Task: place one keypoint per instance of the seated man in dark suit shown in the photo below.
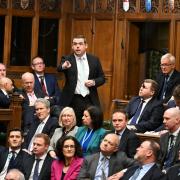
(168, 78)
(46, 82)
(173, 172)
(43, 124)
(145, 111)
(38, 166)
(6, 87)
(12, 156)
(107, 162)
(129, 141)
(170, 141)
(147, 155)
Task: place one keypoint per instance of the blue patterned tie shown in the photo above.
(136, 173)
(164, 87)
(36, 170)
(137, 113)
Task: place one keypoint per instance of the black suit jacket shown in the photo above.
(171, 84)
(164, 147)
(4, 100)
(95, 72)
(49, 128)
(129, 142)
(52, 87)
(117, 162)
(154, 173)
(174, 172)
(151, 117)
(45, 173)
(18, 160)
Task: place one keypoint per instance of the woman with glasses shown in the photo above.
(69, 162)
(91, 134)
(67, 122)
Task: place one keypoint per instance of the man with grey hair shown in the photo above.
(44, 123)
(168, 78)
(14, 174)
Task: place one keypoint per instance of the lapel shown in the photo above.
(3, 159)
(165, 145)
(93, 167)
(149, 173)
(135, 105)
(48, 83)
(91, 66)
(176, 147)
(124, 138)
(29, 165)
(74, 66)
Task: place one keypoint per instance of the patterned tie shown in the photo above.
(11, 162)
(136, 173)
(36, 170)
(164, 87)
(43, 85)
(104, 162)
(137, 113)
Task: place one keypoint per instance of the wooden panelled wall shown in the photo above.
(107, 28)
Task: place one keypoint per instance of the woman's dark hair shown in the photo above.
(96, 115)
(60, 144)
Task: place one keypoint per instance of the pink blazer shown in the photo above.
(72, 173)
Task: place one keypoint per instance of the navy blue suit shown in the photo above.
(4, 100)
(52, 86)
(174, 172)
(171, 84)
(154, 173)
(49, 128)
(151, 117)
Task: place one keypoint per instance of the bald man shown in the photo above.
(107, 162)
(6, 87)
(170, 141)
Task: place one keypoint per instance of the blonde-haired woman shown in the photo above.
(67, 122)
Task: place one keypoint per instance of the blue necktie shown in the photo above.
(36, 170)
(136, 115)
(164, 87)
(136, 173)
(11, 162)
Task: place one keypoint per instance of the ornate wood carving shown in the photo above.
(23, 4)
(50, 5)
(3, 4)
(105, 6)
(85, 6)
(154, 9)
(132, 6)
(166, 7)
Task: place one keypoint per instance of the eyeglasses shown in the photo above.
(38, 63)
(165, 65)
(69, 146)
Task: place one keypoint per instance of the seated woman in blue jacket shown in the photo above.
(91, 134)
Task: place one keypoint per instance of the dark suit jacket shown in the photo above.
(18, 160)
(174, 172)
(164, 147)
(4, 100)
(49, 128)
(151, 117)
(154, 173)
(52, 86)
(172, 83)
(95, 72)
(45, 173)
(129, 142)
(117, 162)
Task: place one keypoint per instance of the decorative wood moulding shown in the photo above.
(50, 5)
(23, 4)
(135, 6)
(3, 4)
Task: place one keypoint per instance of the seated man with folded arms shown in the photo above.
(145, 111)
(129, 141)
(106, 162)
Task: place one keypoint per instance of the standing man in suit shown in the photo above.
(6, 87)
(129, 141)
(38, 166)
(145, 111)
(46, 82)
(12, 156)
(168, 78)
(147, 155)
(107, 162)
(170, 141)
(43, 124)
(83, 73)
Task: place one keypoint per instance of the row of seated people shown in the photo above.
(91, 139)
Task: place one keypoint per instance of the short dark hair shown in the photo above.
(60, 144)
(176, 92)
(121, 111)
(44, 136)
(15, 129)
(96, 115)
(80, 36)
(37, 57)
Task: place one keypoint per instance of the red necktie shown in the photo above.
(43, 85)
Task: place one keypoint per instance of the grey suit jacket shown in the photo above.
(117, 162)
